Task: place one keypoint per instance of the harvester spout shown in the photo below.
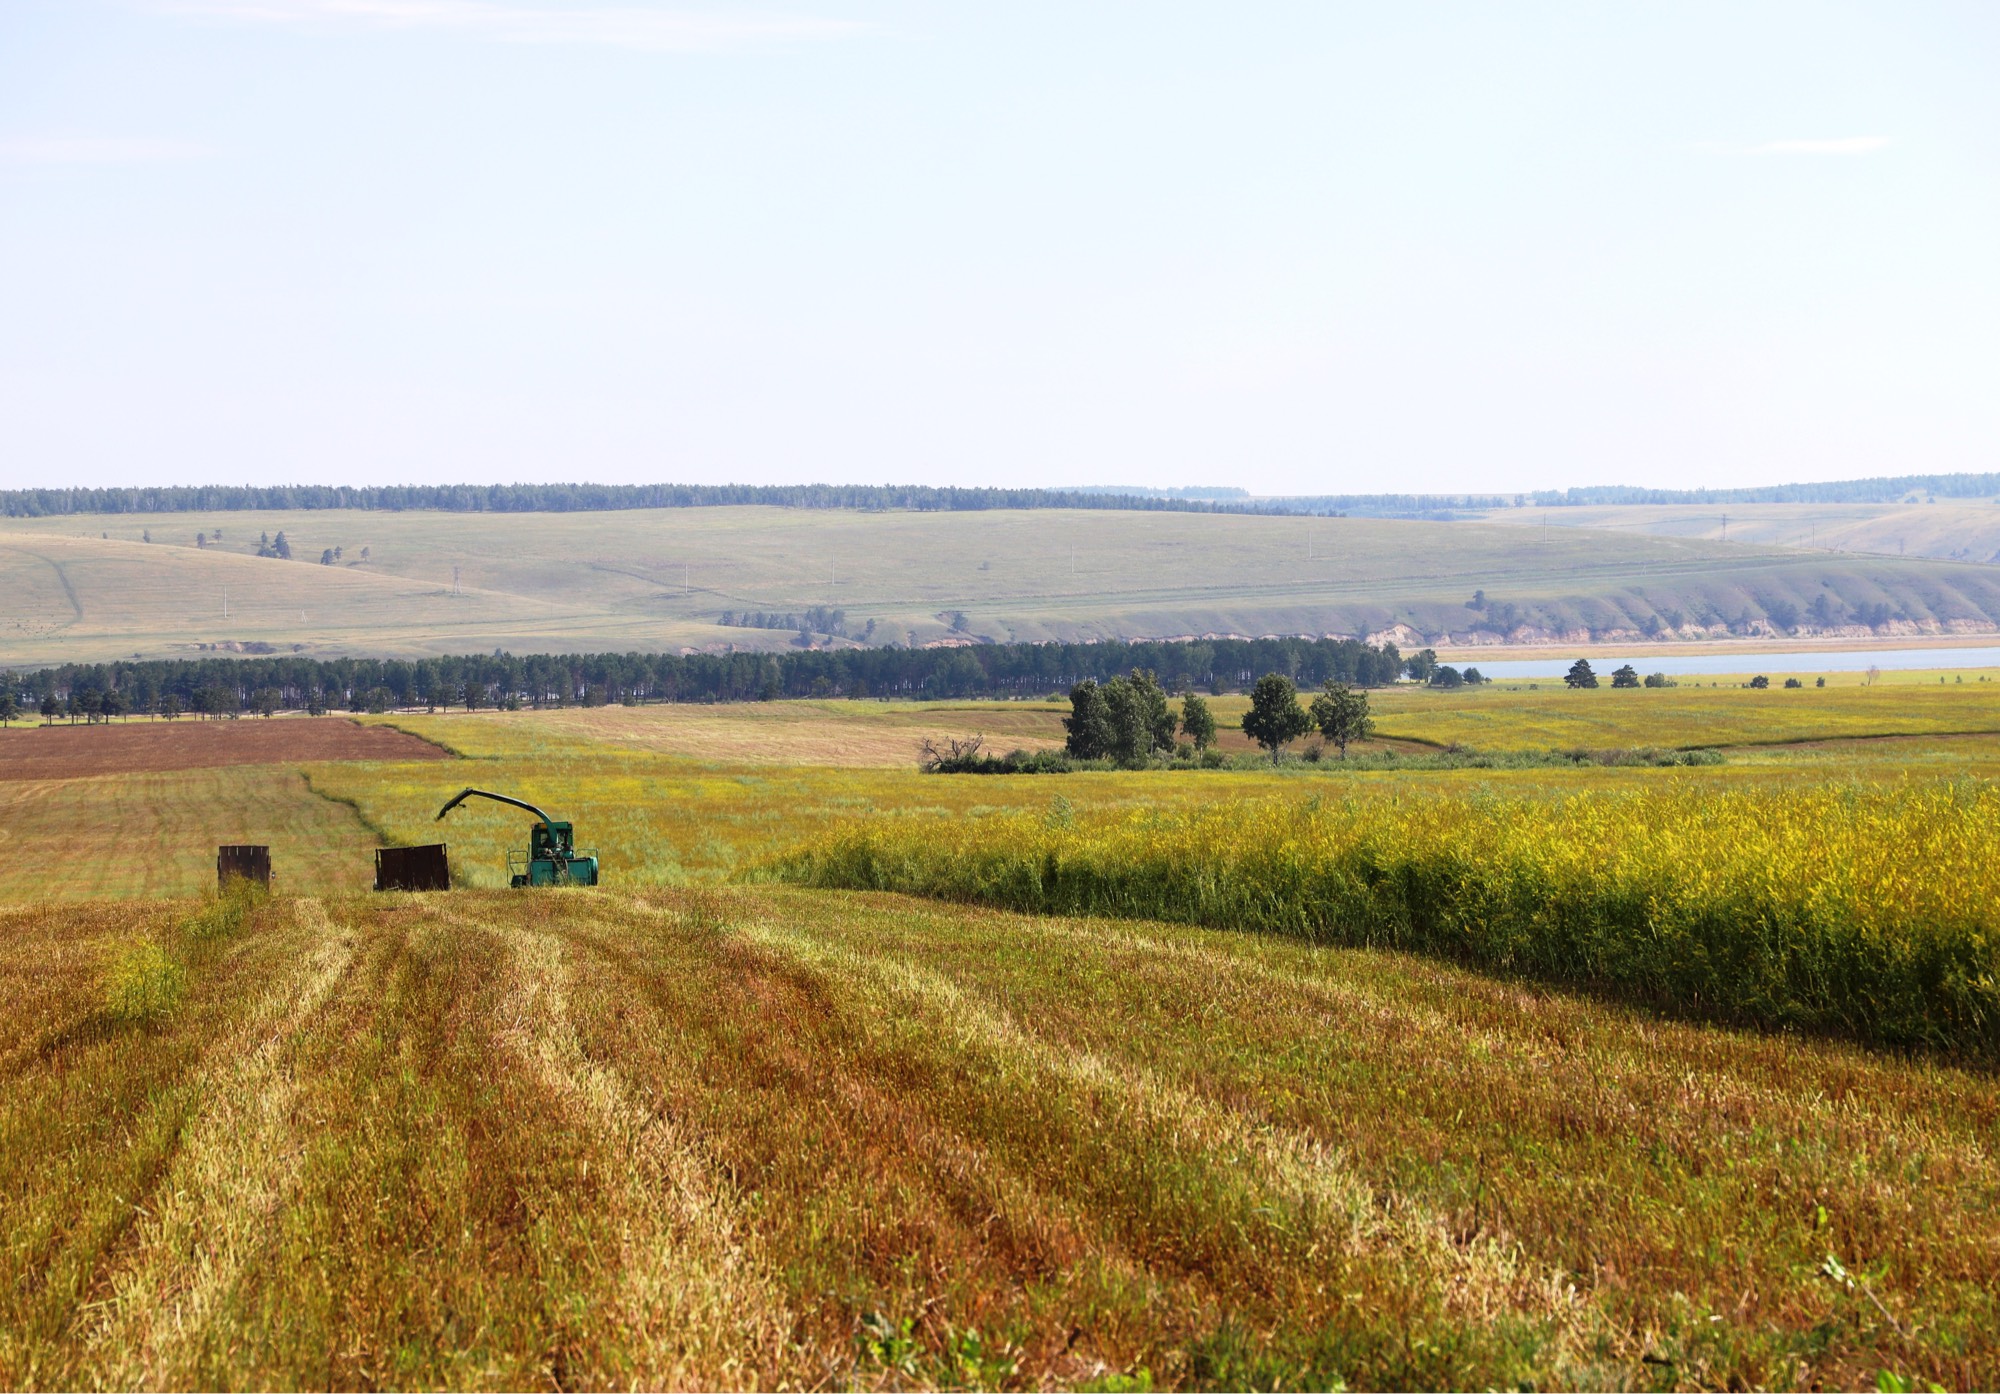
(486, 794)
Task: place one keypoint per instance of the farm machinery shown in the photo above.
(551, 858)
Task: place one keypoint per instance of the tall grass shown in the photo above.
(1868, 913)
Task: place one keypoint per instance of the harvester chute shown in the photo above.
(551, 859)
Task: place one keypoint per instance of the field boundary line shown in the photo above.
(1861, 736)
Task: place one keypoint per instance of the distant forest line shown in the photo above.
(597, 498)
(1442, 507)
(230, 685)
(574, 498)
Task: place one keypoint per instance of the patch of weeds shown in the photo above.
(143, 983)
(1232, 1357)
(224, 915)
(888, 1344)
(1889, 1382)
(981, 1363)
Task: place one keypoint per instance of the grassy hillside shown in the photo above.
(663, 579)
(1955, 529)
(785, 1138)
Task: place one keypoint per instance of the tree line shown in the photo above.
(588, 498)
(1881, 489)
(579, 498)
(1128, 719)
(227, 686)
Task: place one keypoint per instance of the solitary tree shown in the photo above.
(1420, 666)
(1275, 718)
(48, 708)
(1627, 676)
(1579, 674)
(10, 707)
(1197, 721)
(268, 700)
(1341, 713)
(1760, 681)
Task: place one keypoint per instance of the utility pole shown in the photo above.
(1725, 527)
(225, 602)
(454, 578)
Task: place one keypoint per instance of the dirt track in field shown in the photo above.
(75, 752)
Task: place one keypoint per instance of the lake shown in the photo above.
(1678, 664)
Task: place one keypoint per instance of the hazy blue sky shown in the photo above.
(1313, 247)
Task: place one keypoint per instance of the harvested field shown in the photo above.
(785, 1138)
(154, 834)
(76, 752)
(854, 734)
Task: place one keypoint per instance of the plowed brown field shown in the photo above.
(73, 752)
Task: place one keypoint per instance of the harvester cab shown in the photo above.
(551, 858)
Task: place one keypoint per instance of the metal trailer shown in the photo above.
(242, 862)
(412, 868)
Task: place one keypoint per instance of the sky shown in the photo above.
(1294, 248)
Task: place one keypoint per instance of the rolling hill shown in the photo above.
(1952, 529)
(412, 583)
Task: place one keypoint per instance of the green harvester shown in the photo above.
(551, 858)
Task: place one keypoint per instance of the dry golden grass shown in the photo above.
(845, 733)
(735, 1138)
